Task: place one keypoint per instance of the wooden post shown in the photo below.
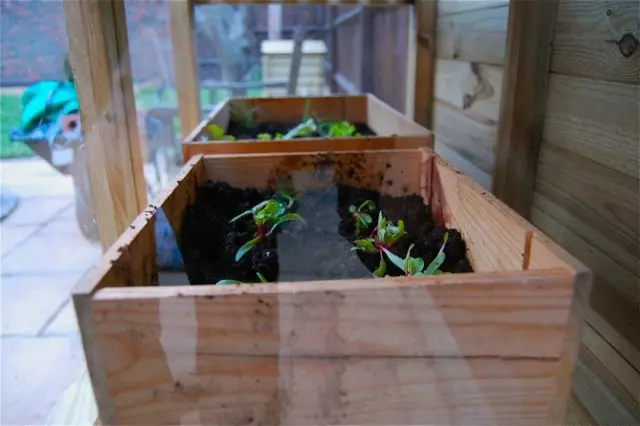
(367, 63)
(410, 79)
(185, 65)
(99, 56)
(524, 92)
(425, 22)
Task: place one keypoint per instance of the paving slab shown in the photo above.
(29, 303)
(11, 236)
(36, 211)
(65, 322)
(35, 372)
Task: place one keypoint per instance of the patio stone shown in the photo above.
(35, 372)
(65, 321)
(29, 302)
(46, 253)
(10, 237)
(36, 211)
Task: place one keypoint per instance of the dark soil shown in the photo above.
(317, 250)
(241, 131)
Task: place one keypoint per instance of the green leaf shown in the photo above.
(368, 205)
(229, 138)
(215, 132)
(439, 259)
(241, 215)
(352, 208)
(307, 108)
(366, 245)
(278, 135)
(382, 268)
(289, 217)
(264, 136)
(246, 247)
(228, 282)
(382, 222)
(358, 227)
(261, 278)
(394, 259)
(366, 219)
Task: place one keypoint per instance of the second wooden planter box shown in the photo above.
(492, 347)
(367, 110)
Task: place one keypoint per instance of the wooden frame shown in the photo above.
(494, 347)
(381, 118)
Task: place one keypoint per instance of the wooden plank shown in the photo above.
(577, 414)
(390, 172)
(587, 36)
(177, 341)
(595, 119)
(98, 47)
(495, 235)
(448, 7)
(294, 2)
(471, 87)
(473, 139)
(185, 65)
(523, 101)
(461, 163)
(625, 348)
(475, 36)
(306, 145)
(621, 377)
(386, 121)
(599, 204)
(425, 15)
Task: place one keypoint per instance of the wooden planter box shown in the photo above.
(380, 117)
(493, 347)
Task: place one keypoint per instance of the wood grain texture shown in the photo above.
(601, 205)
(524, 90)
(306, 145)
(425, 15)
(435, 364)
(472, 139)
(595, 119)
(585, 40)
(99, 57)
(471, 87)
(474, 36)
(185, 65)
(448, 7)
(390, 172)
(386, 121)
(459, 162)
(484, 223)
(577, 414)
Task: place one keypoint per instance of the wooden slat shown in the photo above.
(459, 162)
(585, 40)
(595, 119)
(448, 7)
(293, 2)
(425, 15)
(486, 223)
(306, 145)
(524, 90)
(576, 414)
(474, 36)
(470, 363)
(599, 204)
(390, 172)
(185, 65)
(100, 59)
(386, 121)
(473, 139)
(471, 87)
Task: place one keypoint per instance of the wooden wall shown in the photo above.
(470, 48)
(587, 192)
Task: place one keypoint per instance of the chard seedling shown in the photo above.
(338, 129)
(415, 266)
(382, 238)
(234, 282)
(361, 215)
(267, 216)
(217, 133)
(264, 136)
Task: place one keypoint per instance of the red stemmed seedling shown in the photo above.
(267, 216)
(382, 238)
(361, 215)
(413, 266)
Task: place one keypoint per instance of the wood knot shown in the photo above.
(628, 45)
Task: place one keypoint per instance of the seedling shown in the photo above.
(342, 129)
(361, 215)
(415, 266)
(264, 136)
(382, 238)
(217, 133)
(267, 216)
(234, 282)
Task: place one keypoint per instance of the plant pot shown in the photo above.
(492, 347)
(364, 110)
